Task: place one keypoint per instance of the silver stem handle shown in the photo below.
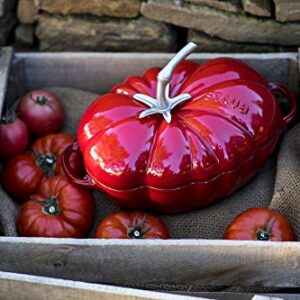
(165, 75)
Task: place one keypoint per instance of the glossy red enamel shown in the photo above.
(214, 144)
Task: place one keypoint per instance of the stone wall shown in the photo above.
(153, 25)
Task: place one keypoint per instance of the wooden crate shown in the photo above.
(26, 287)
(19, 286)
(167, 264)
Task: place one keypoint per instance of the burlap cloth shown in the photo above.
(276, 186)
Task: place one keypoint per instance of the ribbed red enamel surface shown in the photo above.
(215, 143)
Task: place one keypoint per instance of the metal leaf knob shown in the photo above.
(163, 103)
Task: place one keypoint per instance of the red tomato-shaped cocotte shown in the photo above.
(260, 224)
(182, 137)
(132, 225)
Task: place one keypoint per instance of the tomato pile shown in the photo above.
(53, 206)
(32, 174)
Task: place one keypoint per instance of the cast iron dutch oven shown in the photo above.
(180, 138)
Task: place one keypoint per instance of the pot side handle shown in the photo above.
(290, 117)
(85, 181)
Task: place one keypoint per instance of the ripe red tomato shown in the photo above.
(60, 209)
(42, 112)
(260, 224)
(132, 225)
(22, 174)
(14, 136)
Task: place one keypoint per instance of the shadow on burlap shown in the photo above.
(276, 186)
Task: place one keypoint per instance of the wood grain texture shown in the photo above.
(113, 68)
(265, 298)
(19, 286)
(17, 82)
(192, 263)
(5, 61)
(245, 296)
(15, 286)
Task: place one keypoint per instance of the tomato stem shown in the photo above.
(51, 206)
(41, 100)
(9, 117)
(46, 162)
(138, 230)
(265, 234)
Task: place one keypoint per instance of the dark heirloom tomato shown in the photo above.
(42, 112)
(60, 209)
(182, 137)
(14, 136)
(260, 224)
(132, 225)
(22, 174)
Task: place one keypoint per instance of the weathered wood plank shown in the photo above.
(17, 83)
(5, 61)
(186, 263)
(265, 298)
(294, 75)
(113, 68)
(15, 286)
(19, 286)
(243, 296)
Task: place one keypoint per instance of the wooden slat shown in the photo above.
(5, 61)
(18, 286)
(245, 296)
(17, 83)
(159, 264)
(265, 298)
(15, 286)
(100, 71)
